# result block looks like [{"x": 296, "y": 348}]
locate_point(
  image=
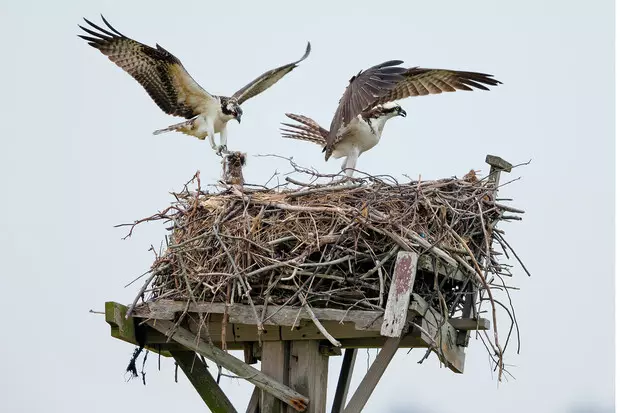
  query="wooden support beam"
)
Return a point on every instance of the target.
[
  {"x": 469, "y": 324},
  {"x": 254, "y": 401},
  {"x": 274, "y": 363},
  {"x": 125, "y": 329},
  {"x": 298, "y": 401},
  {"x": 203, "y": 382},
  {"x": 308, "y": 373},
  {"x": 370, "y": 380},
  {"x": 397, "y": 306},
  {"x": 438, "y": 335},
  {"x": 344, "y": 380}
]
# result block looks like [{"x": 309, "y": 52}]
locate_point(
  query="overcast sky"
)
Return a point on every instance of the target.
[{"x": 78, "y": 156}]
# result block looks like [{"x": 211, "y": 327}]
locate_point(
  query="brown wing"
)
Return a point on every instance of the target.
[
  {"x": 267, "y": 79},
  {"x": 420, "y": 82},
  {"x": 361, "y": 93},
  {"x": 160, "y": 73}
]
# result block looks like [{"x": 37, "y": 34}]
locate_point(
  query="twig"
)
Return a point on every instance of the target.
[{"x": 318, "y": 324}]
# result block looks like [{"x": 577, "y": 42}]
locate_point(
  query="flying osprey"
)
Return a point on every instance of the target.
[
  {"x": 173, "y": 89},
  {"x": 368, "y": 103}
]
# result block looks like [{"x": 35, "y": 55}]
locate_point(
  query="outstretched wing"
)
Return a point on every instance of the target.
[
  {"x": 420, "y": 82},
  {"x": 361, "y": 93},
  {"x": 307, "y": 130},
  {"x": 267, "y": 79},
  {"x": 160, "y": 73}
]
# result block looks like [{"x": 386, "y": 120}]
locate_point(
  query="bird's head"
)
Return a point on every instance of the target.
[
  {"x": 231, "y": 108},
  {"x": 392, "y": 109}
]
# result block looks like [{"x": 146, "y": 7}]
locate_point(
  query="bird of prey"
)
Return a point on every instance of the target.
[
  {"x": 173, "y": 89},
  {"x": 369, "y": 101}
]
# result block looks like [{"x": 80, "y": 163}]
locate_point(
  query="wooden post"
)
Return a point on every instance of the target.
[
  {"x": 203, "y": 382},
  {"x": 308, "y": 374},
  {"x": 497, "y": 165},
  {"x": 274, "y": 363},
  {"x": 344, "y": 380}
]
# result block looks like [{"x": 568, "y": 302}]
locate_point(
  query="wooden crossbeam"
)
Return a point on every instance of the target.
[
  {"x": 203, "y": 382},
  {"x": 294, "y": 399},
  {"x": 370, "y": 380},
  {"x": 469, "y": 324},
  {"x": 124, "y": 329}
]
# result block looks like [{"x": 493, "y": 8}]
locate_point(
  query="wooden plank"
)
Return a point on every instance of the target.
[
  {"x": 210, "y": 328},
  {"x": 370, "y": 380},
  {"x": 413, "y": 340},
  {"x": 242, "y": 314},
  {"x": 344, "y": 380},
  {"x": 203, "y": 382},
  {"x": 249, "y": 332},
  {"x": 125, "y": 329},
  {"x": 397, "y": 306},
  {"x": 470, "y": 324},
  {"x": 298, "y": 401},
  {"x": 254, "y": 401},
  {"x": 306, "y": 330},
  {"x": 441, "y": 337},
  {"x": 274, "y": 363},
  {"x": 308, "y": 374}
]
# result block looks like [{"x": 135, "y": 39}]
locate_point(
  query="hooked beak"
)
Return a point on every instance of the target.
[
  {"x": 238, "y": 117},
  {"x": 401, "y": 112}
]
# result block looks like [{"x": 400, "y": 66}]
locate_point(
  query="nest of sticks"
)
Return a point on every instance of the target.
[{"x": 333, "y": 244}]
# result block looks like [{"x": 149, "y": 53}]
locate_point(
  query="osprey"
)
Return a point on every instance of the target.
[
  {"x": 369, "y": 102},
  {"x": 173, "y": 89}
]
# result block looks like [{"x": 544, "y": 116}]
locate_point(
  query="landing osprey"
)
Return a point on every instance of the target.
[
  {"x": 368, "y": 103},
  {"x": 173, "y": 89}
]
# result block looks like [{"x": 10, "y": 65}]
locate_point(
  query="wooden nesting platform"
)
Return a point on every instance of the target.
[{"x": 297, "y": 333}]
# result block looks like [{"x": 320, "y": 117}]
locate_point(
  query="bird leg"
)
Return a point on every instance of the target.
[
  {"x": 223, "y": 141},
  {"x": 348, "y": 166},
  {"x": 211, "y": 135}
]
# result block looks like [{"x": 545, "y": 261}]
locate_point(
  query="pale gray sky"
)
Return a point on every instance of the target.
[{"x": 78, "y": 157}]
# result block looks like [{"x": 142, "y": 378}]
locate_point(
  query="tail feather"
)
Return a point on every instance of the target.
[
  {"x": 309, "y": 130},
  {"x": 187, "y": 125}
]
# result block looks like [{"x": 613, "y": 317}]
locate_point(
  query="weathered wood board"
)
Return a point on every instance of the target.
[
  {"x": 397, "y": 306},
  {"x": 439, "y": 335}
]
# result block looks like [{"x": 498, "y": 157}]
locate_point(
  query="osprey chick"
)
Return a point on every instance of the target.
[
  {"x": 369, "y": 101},
  {"x": 173, "y": 89}
]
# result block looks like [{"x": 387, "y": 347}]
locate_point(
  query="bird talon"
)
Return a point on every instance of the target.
[{"x": 221, "y": 150}]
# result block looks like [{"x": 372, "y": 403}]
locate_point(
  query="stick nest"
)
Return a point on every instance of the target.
[{"x": 334, "y": 244}]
